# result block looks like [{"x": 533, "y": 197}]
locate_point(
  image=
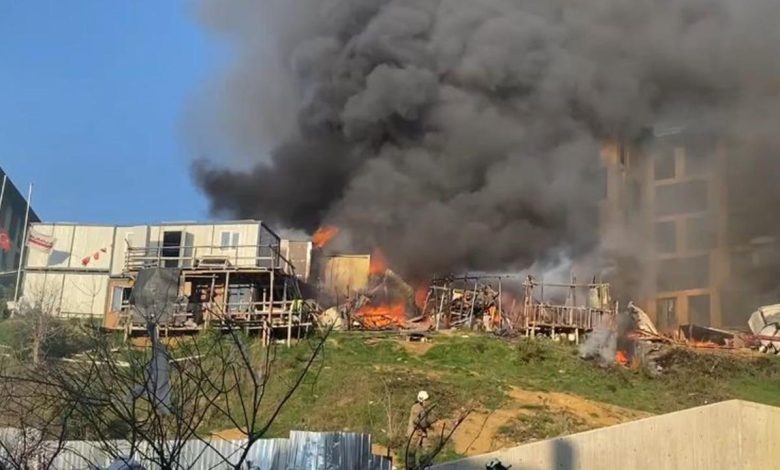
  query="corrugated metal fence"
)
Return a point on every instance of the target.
[{"x": 302, "y": 451}]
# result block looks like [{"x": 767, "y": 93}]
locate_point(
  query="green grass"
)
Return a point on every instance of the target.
[
  {"x": 368, "y": 382},
  {"x": 363, "y": 379}
]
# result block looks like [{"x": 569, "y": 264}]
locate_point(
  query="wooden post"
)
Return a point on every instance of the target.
[
  {"x": 225, "y": 297},
  {"x": 425, "y": 305},
  {"x": 500, "y": 309},
  {"x": 289, "y": 312},
  {"x": 271, "y": 307},
  {"x": 512, "y": 312},
  {"x": 211, "y": 299}
]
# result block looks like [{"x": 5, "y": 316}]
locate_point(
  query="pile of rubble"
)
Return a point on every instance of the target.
[
  {"x": 463, "y": 301},
  {"x": 765, "y": 325},
  {"x": 387, "y": 303}
]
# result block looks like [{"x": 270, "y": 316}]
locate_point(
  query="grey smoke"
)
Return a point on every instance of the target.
[
  {"x": 601, "y": 345},
  {"x": 603, "y": 342},
  {"x": 465, "y": 134}
]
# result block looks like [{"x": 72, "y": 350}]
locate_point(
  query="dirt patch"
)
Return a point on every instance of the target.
[
  {"x": 416, "y": 348},
  {"x": 233, "y": 434},
  {"x": 480, "y": 432},
  {"x": 477, "y": 433},
  {"x": 594, "y": 413},
  {"x": 379, "y": 449}
]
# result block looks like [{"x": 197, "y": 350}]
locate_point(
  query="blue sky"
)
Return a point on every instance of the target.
[{"x": 91, "y": 100}]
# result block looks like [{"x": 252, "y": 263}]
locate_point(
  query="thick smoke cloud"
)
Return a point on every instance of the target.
[{"x": 465, "y": 134}]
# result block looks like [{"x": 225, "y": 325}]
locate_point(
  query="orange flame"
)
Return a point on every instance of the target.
[
  {"x": 382, "y": 316},
  {"x": 621, "y": 358},
  {"x": 378, "y": 264},
  {"x": 324, "y": 235},
  {"x": 420, "y": 296}
]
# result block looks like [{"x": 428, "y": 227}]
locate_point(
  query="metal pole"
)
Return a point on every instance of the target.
[
  {"x": 2, "y": 191},
  {"x": 24, "y": 245},
  {"x": 2, "y": 195}
]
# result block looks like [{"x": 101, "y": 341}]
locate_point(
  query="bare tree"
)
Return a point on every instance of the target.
[
  {"x": 38, "y": 311},
  {"x": 158, "y": 399},
  {"x": 32, "y": 430}
]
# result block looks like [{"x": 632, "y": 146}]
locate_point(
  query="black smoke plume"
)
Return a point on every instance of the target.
[{"x": 465, "y": 134}]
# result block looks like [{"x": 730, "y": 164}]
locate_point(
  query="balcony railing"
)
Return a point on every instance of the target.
[{"x": 205, "y": 257}]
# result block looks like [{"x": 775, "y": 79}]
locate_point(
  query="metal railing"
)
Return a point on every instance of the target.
[
  {"x": 591, "y": 308},
  {"x": 462, "y": 300},
  {"x": 205, "y": 257},
  {"x": 565, "y": 316},
  {"x": 270, "y": 311}
]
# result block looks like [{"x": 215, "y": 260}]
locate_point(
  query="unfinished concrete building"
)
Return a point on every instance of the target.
[{"x": 682, "y": 203}]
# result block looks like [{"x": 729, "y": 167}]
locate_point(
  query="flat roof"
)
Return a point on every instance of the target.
[{"x": 159, "y": 224}]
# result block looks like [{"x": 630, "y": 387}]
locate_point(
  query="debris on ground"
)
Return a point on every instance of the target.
[{"x": 765, "y": 325}]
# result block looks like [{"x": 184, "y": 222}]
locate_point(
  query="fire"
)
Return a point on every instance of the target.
[
  {"x": 610, "y": 150},
  {"x": 324, "y": 235},
  {"x": 382, "y": 316},
  {"x": 378, "y": 263},
  {"x": 420, "y": 296},
  {"x": 621, "y": 358}
]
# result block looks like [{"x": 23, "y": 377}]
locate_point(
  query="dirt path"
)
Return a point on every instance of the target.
[{"x": 479, "y": 433}]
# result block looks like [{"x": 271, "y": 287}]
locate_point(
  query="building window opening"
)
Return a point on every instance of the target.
[
  {"x": 229, "y": 240},
  {"x": 664, "y": 164},
  {"x": 681, "y": 198},
  {"x": 666, "y": 313},
  {"x": 171, "y": 249},
  {"x": 683, "y": 273},
  {"x": 699, "y": 310},
  {"x": 700, "y": 234},
  {"x": 120, "y": 298},
  {"x": 665, "y": 237}
]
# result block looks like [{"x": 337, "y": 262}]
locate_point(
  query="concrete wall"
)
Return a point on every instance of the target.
[{"x": 726, "y": 435}]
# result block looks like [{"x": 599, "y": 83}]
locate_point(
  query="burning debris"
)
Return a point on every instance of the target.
[
  {"x": 463, "y": 301},
  {"x": 485, "y": 301},
  {"x": 385, "y": 302},
  {"x": 630, "y": 340},
  {"x": 499, "y": 304}
]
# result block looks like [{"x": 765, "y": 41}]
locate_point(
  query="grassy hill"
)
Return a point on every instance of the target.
[{"x": 521, "y": 389}]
